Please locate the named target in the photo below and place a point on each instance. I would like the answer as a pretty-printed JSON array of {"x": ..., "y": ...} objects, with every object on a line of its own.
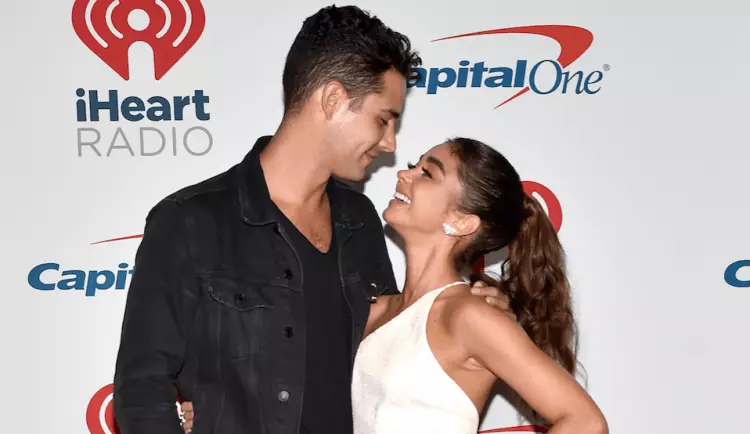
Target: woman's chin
[
  {"x": 388, "y": 214},
  {"x": 392, "y": 216}
]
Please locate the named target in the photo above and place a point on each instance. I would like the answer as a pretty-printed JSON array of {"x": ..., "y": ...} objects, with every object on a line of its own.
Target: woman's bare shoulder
[{"x": 462, "y": 312}]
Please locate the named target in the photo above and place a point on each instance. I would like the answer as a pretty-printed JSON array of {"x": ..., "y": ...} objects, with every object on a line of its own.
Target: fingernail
[{"x": 474, "y": 290}]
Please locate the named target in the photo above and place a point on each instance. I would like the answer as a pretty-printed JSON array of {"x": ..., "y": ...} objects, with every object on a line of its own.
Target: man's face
[{"x": 357, "y": 137}]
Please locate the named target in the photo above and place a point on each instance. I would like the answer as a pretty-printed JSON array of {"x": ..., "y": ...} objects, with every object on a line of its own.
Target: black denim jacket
[{"x": 215, "y": 306}]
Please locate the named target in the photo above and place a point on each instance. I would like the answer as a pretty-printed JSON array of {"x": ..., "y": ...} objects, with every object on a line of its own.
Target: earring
[{"x": 449, "y": 230}]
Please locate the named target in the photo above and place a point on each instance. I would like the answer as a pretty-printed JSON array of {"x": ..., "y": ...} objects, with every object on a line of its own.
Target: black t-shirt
[{"x": 326, "y": 404}]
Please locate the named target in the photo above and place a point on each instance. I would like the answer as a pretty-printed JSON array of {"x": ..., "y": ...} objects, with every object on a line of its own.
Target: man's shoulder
[
  {"x": 216, "y": 184},
  {"x": 203, "y": 194}
]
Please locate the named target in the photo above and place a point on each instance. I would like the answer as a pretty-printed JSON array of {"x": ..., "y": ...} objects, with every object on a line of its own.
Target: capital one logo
[
  {"x": 734, "y": 270},
  {"x": 110, "y": 27},
  {"x": 523, "y": 76}
]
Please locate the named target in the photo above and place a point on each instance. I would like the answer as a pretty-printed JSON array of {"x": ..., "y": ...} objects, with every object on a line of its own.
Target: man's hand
[
  {"x": 493, "y": 297},
  {"x": 187, "y": 413}
]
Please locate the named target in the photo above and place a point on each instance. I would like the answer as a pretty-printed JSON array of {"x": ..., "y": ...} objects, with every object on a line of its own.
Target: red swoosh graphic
[
  {"x": 574, "y": 41},
  {"x": 130, "y": 237},
  {"x": 522, "y": 428}
]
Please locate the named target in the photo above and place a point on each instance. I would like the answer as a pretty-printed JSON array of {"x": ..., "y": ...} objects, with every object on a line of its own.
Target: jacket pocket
[{"x": 240, "y": 315}]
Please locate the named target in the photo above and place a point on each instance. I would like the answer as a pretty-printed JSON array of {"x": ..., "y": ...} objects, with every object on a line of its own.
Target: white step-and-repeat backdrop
[{"x": 628, "y": 120}]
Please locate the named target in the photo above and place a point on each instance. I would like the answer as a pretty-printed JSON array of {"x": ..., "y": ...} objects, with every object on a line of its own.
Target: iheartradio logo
[
  {"x": 549, "y": 201},
  {"x": 109, "y": 27},
  {"x": 100, "y": 417}
]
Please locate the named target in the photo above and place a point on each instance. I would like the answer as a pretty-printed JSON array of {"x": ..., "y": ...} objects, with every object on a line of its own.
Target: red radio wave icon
[
  {"x": 554, "y": 210},
  {"x": 100, "y": 413},
  {"x": 110, "y": 27}
]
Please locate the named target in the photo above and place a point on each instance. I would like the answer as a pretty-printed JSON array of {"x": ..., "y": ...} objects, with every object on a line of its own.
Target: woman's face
[{"x": 426, "y": 194}]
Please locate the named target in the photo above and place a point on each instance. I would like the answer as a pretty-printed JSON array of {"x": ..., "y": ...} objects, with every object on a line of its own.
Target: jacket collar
[{"x": 256, "y": 205}]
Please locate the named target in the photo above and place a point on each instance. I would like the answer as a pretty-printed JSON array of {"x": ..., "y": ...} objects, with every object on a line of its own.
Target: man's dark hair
[{"x": 345, "y": 44}]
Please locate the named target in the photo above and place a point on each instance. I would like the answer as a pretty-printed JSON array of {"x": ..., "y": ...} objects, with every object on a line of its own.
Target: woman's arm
[{"x": 502, "y": 347}]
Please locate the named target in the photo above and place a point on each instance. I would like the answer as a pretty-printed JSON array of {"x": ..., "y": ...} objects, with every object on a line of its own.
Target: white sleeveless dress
[{"x": 399, "y": 387}]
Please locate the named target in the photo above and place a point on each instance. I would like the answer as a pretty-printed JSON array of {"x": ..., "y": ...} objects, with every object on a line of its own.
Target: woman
[{"x": 431, "y": 355}]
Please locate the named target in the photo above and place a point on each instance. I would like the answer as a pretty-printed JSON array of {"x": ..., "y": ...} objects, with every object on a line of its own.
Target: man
[{"x": 252, "y": 288}]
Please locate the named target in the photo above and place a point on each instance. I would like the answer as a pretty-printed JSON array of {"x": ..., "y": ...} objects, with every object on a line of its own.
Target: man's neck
[{"x": 295, "y": 173}]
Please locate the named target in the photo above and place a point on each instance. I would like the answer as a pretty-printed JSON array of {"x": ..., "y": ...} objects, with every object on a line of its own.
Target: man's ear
[{"x": 333, "y": 97}]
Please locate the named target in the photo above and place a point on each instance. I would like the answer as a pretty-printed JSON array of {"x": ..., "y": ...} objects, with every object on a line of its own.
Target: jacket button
[
  {"x": 283, "y": 396},
  {"x": 289, "y": 331},
  {"x": 288, "y": 273},
  {"x": 240, "y": 298}
]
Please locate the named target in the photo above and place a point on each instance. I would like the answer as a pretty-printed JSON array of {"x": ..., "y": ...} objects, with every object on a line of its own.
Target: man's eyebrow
[{"x": 394, "y": 114}]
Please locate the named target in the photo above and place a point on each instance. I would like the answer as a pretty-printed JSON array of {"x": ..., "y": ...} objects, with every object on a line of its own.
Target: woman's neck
[{"x": 427, "y": 268}]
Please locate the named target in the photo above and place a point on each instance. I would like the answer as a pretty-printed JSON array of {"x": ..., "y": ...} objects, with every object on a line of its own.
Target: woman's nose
[{"x": 403, "y": 176}]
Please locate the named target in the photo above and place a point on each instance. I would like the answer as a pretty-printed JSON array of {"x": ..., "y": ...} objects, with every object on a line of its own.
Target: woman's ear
[{"x": 463, "y": 224}]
